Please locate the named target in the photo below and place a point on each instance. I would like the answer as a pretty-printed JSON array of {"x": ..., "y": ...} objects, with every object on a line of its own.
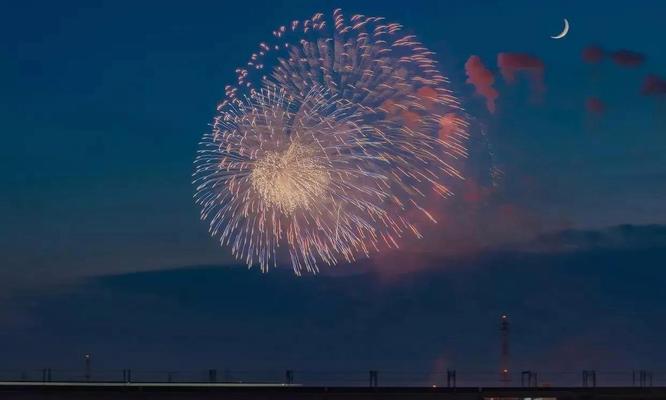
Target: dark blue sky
[{"x": 102, "y": 107}]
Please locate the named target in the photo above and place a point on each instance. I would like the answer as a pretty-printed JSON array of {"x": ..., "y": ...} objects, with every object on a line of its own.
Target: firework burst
[{"x": 334, "y": 134}]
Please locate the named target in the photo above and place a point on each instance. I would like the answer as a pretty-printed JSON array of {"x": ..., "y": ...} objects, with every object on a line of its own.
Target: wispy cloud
[
  {"x": 512, "y": 64},
  {"x": 482, "y": 79}
]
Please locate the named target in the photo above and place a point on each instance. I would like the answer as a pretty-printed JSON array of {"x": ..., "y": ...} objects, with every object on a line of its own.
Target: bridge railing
[{"x": 378, "y": 377}]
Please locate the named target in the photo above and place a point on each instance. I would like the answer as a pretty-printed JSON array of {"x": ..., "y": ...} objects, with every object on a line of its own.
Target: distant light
[{"x": 434, "y": 386}]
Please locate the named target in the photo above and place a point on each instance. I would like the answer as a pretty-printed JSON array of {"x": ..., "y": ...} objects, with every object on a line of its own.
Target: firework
[{"x": 335, "y": 133}]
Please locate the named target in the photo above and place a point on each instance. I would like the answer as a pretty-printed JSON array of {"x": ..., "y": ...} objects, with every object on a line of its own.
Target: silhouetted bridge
[
  {"x": 222, "y": 391},
  {"x": 216, "y": 384}
]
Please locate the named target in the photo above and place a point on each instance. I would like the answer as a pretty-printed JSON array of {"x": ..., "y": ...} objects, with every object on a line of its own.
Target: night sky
[{"x": 101, "y": 110}]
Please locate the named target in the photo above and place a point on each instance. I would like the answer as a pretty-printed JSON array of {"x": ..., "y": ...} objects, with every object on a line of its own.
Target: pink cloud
[
  {"x": 511, "y": 64},
  {"x": 449, "y": 123},
  {"x": 653, "y": 85},
  {"x": 594, "y": 105},
  {"x": 475, "y": 193},
  {"x": 593, "y": 54},
  {"x": 628, "y": 58},
  {"x": 482, "y": 79}
]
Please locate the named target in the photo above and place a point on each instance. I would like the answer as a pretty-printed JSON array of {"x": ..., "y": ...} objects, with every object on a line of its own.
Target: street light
[{"x": 87, "y": 358}]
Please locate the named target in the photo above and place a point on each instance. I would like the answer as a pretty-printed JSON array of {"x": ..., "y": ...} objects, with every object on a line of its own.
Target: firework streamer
[{"x": 334, "y": 133}]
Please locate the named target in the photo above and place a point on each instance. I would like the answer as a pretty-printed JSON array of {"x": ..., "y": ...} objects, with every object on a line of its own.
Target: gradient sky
[{"x": 102, "y": 107}]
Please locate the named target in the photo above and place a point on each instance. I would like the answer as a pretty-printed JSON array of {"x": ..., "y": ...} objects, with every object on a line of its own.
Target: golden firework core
[{"x": 291, "y": 179}]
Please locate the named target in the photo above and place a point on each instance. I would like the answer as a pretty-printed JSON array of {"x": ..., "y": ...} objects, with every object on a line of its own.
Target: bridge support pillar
[
  {"x": 451, "y": 378},
  {"x": 374, "y": 379},
  {"x": 589, "y": 378},
  {"x": 644, "y": 378},
  {"x": 528, "y": 379}
]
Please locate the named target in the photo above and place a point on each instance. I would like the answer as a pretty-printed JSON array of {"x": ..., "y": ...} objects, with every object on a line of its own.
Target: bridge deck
[{"x": 222, "y": 391}]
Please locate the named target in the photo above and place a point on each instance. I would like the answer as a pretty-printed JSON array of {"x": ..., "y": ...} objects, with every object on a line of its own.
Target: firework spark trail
[{"x": 328, "y": 139}]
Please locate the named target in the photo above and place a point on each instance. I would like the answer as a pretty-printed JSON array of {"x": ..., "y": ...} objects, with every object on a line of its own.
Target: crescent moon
[{"x": 564, "y": 31}]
